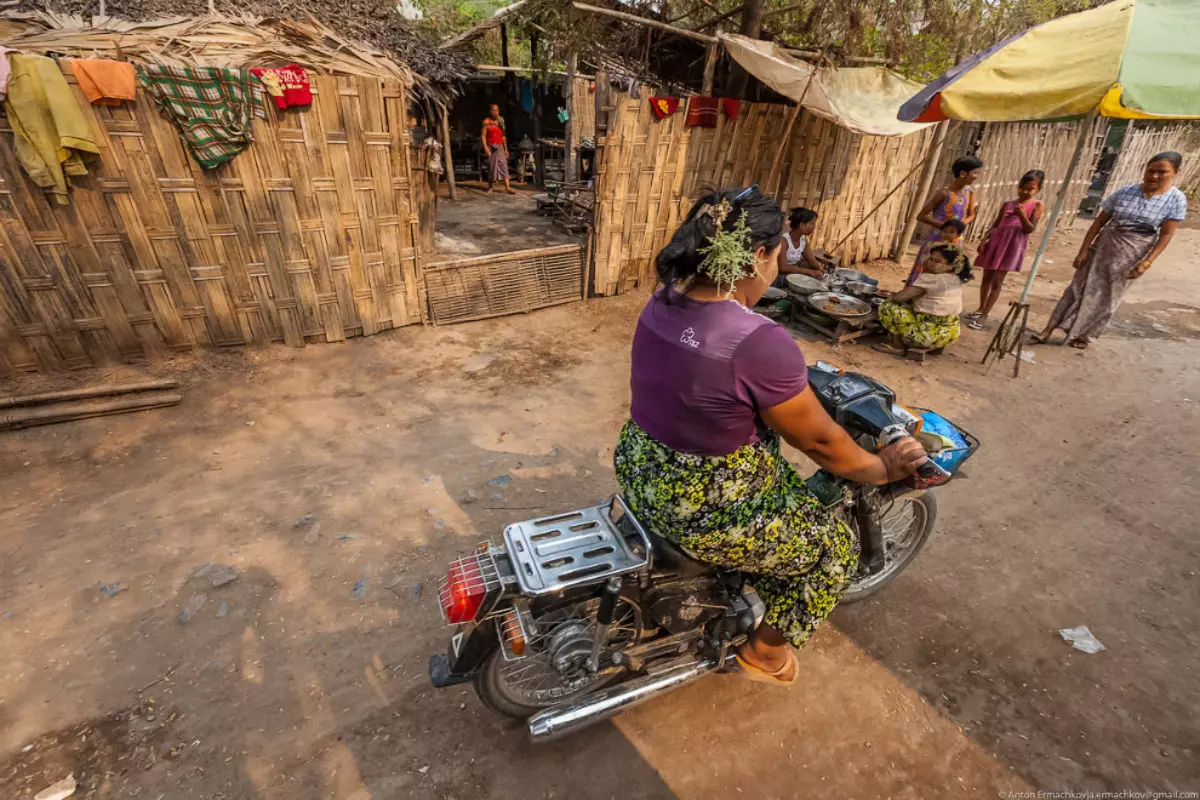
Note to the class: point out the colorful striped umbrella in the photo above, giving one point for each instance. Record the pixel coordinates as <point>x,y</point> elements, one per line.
<point>1130,59</point>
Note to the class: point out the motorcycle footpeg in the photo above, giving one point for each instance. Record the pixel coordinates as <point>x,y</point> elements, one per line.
<point>440,674</point>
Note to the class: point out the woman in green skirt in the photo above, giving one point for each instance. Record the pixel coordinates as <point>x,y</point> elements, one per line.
<point>715,388</point>
<point>925,314</point>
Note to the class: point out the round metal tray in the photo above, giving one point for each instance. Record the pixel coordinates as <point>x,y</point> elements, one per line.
<point>842,306</point>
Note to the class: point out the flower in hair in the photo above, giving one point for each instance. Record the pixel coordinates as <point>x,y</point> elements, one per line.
<point>727,256</point>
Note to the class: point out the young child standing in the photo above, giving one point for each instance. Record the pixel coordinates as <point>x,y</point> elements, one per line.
<point>925,315</point>
<point>956,201</point>
<point>1004,244</point>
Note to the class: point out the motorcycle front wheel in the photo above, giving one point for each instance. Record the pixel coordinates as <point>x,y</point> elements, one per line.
<point>906,527</point>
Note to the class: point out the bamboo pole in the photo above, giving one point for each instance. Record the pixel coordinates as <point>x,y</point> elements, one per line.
<point>710,64</point>
<point>773,175</point>
<point>48,416</point>
<point>878,205</point>
<point>1084,129</point>
<point>14,401</point>
<point>572,155</point>
<point>448,161</point>
<point>931,164</point>
<point>649,23</point>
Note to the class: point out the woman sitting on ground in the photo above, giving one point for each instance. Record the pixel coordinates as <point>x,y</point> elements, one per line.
<point>925,315</point>
<point>715,387</point>
<point>796,257</point>
<point>1133,228</point>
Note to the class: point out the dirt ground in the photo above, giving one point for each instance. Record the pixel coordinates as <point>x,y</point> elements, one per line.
<point>339,480</point>
<point>478,223</point>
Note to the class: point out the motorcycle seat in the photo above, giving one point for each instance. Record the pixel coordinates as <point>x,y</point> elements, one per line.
<point>670,557</point>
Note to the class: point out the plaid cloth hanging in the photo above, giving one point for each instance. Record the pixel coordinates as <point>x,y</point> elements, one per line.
<point>210,106</point>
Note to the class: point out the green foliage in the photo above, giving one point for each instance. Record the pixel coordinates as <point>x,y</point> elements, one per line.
<point>922,38</point>
<point>727,256</point>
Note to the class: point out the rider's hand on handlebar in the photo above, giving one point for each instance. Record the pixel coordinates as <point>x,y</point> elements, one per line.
<point>902,457</point>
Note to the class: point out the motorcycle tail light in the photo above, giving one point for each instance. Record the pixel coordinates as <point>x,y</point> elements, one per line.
<point>468,582</point>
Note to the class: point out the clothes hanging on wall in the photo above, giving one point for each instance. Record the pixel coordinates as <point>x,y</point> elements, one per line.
<point>664,107</point>
<point>702,112</point>
<point>732,107</point>
<point>105,82</point>
<point>210,106</point>
<point>287,86</point>
<point>50,132</point>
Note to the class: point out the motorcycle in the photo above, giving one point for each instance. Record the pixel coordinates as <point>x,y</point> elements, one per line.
<point>579,616</point>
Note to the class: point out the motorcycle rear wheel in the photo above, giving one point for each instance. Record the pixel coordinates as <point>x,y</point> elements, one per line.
<point>498,682</point>
<point>906,528</point>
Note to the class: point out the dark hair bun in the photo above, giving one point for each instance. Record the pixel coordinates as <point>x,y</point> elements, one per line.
<point>680,259</point>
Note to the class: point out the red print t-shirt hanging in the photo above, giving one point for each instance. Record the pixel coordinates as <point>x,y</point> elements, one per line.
<point>288,86</point>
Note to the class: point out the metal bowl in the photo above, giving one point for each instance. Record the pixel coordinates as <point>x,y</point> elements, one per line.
<point>842,306</point>
<point>855,275</point>
<point>862,288</point>
<point>804,285</point>
<point>772,294</point>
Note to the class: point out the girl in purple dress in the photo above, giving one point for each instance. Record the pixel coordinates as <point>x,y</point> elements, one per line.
<point>1003,246</point>
<point>956,201</point>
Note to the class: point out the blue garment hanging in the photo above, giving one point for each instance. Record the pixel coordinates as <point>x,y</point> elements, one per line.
<point>527,95</point>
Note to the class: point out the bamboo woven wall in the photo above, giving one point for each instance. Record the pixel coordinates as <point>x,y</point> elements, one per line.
<point>1146,139</point>
<point>1009,150</point>
<point>583,108</point>
<point>308,235</point>
<point>652,169</point>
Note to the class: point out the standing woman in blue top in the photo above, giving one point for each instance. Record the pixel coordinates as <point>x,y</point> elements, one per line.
<point>1133,228</point>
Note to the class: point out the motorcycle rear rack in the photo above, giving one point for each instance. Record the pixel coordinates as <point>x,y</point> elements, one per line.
<point>553,554</point>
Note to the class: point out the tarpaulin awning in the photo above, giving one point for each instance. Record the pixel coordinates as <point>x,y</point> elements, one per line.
<point>1129,59</point>
<point>861,99</point>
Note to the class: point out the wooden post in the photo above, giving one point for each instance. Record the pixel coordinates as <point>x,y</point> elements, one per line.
<point>447,159</point>
<point>931,165</point>
<point>710,63</point>
<point>570,172</point>
<point>539,167</point>
<point>601,109</point>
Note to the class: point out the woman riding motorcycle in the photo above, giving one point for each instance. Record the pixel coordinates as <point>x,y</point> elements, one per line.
<point>715,387</point>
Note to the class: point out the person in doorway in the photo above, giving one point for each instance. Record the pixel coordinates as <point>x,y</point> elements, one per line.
<point>1003,247</point>
<point>495,145</point>
<point>1134,227</point>
<point>715,389</point>
<point>925,315</point>
<point>796,257</point>
<point>956,201</point>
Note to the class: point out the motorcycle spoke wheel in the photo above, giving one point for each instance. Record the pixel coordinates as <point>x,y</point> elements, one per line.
<point>906,527</point>
<point>557,670</point>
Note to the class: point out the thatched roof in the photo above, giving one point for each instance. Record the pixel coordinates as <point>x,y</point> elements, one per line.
<point>353,37</point>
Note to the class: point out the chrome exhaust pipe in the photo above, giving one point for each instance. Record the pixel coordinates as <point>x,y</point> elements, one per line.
<point>553,723</point>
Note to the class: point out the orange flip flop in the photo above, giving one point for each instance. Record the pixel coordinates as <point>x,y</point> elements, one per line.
<point>758,674</point>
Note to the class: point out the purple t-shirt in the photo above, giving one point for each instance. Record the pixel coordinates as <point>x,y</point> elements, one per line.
<point>702,372</point>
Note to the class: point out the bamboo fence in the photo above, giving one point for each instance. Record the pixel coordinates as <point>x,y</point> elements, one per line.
<point>652,169</point>
<point>308,235</point>
<point>1146,139</point>
<point>1009,150</point>
<point>503,283</point>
